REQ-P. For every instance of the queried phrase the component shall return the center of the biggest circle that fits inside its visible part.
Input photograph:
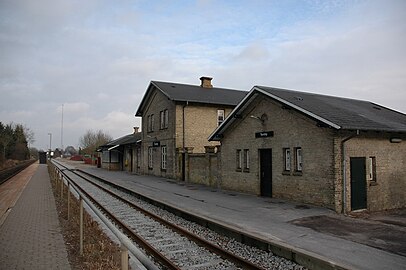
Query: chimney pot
(136, 129)
(206, 82)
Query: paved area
(11, 190)
(266, 218)
(30, 237)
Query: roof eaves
(315, 116)
(147, 96)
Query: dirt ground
(99, 252)
(383, 230)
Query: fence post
(124, 257)
(68, 200)
(61, 187)
(81, 224)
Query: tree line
(14, 140)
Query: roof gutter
(344, 170)
(111, 148)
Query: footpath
(30, 234)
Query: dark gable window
(150, 123)
(238, 159)
(287, 159)
(164, 118)
(246, 160)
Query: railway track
(6, 174)
(171, 245)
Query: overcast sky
(98, 57)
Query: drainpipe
(344, 167)
(183, 142)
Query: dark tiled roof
(195, 94)
(127, 139)
(345, 113)
(336, 112)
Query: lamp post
(50, 143)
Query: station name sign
(264, 134)
(156, 143)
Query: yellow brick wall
(291, 129)
(200, 121)
(389, 191)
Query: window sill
(286, 173)
(298, 173)
(150, 169)
(163, 170)
(373, 183)
(238, 170)
(247, 170)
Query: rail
(8, 173)
(126, 243)
(209, 246)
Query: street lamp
(50, 142)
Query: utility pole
(62, 131)
(50, 142)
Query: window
(150, 152)
(371, 169)
(163, 157)
(220, 117)
(164, 119)
(246, 160)
(287, 159)
(150, 123)
(239, 159)
(298, 159)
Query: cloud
(74, 108)
(254, 52)
(98, 57)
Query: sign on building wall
(264, 134)
(156, 144)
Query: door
(265, 156)
(358, 183)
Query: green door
(358, 183)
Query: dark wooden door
(266, 172)
(358, 183)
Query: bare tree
(91, 140)
(29, 135)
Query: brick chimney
(206, 82)
(136, 129)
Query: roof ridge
(316, 94)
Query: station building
(339, 153)
(177, 120)
(122, 154)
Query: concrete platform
(30, 236)
(265, 218)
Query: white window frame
(239, 159)
(162, 120)
(150, 157)
(287, 155)
(246, 159)
(163, 157)
(166, 121)
(298, 159)
(152, 122)
(220, 116)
